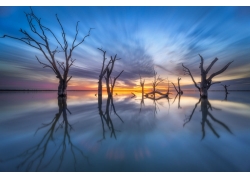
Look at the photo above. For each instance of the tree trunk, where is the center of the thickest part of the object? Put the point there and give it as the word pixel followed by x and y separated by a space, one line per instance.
pixel 142 90
pixel 100 87
pixel 203 86
pixel 108 87
pixel 62 88
pixel 100 93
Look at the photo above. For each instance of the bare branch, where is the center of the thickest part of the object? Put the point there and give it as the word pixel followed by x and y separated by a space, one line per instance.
pixel 189 73
pixel 211 65
pixel 61 65
pixel 83 39
pixel 219 72
pixel 21 39
pixel 45 65
pixel 68 81
pixel 201 65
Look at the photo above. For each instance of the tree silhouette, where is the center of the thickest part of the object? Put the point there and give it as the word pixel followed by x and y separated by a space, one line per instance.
pixel 156 81
pixel 38 39
pixel 225 87
pixel 205 82
pixel 179 91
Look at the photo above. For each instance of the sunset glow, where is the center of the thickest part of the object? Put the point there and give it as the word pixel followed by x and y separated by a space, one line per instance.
pixel 143 37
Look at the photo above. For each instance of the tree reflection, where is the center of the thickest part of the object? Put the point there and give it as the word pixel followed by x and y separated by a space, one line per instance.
pixel 42 154
pixel 205 107
pixel 106 117
pixel 155 101
pixel 179 99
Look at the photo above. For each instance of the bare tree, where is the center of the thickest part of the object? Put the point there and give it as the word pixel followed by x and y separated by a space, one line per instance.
pixel 179 91
pixel 142 85
pixel 106 72
pixel 205 82
pixel 102 73
pixel 225 87
pixel 156 81
pixel 38 39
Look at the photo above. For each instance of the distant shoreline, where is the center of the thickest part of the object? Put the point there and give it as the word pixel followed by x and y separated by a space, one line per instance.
pixel 96 90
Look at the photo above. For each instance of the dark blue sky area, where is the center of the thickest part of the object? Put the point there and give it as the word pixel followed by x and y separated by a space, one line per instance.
pixel 143 37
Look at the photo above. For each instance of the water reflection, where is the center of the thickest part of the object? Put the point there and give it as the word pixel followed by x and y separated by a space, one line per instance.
pixel 106 117
pixel 42 133
pixel 155 100
pixel 179 99
pixel 205 106
pixel 40 156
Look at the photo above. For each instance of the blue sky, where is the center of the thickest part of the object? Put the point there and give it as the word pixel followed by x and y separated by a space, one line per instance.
pixel 143 37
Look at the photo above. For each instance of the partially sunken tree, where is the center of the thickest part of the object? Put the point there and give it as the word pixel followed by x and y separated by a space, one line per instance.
pixel 225 87
pixel 38 39
pixel 106 72
pixel 156 81
pixel 205 82
pixel 179 91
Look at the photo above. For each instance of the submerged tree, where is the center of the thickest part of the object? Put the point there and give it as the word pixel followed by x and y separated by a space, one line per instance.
pixel 106 72
pixel 205 82
pixel 179 91
pixel 225 87
pixel 39 39
pixel 156 81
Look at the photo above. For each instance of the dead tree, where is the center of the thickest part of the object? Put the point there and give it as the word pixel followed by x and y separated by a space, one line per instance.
pixel 142 85
pixel 102 73
pixel 142 91
pixel 38 39
pixel 109 83
pixel 112 82
pixel 179 91
pixel 156 81
pixel 225 87
pixel 205 82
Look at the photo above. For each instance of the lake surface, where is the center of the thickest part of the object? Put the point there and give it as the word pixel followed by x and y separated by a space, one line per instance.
pixel 39 132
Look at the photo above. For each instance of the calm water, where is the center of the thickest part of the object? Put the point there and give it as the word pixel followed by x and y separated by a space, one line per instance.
pixel 38 132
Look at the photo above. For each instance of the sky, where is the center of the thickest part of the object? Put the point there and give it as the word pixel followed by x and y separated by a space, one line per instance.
pixel 144 37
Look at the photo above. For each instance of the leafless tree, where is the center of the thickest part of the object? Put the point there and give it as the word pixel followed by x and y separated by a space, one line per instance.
pixel 106 72
pixel 225 87
pixel 142 85
pixel 205 82
pixel 38 39
pixel 179 91
pixel 102 73
pixel 156 81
